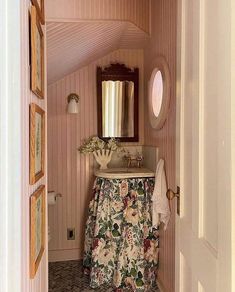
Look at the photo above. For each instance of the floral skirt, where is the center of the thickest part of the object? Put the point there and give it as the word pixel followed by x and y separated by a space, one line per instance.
pixel 121 247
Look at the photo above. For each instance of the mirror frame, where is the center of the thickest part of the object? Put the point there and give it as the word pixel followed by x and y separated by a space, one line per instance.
pixel 118 72
pixel 160 64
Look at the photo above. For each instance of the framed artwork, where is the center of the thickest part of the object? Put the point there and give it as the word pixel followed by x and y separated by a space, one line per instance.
pixel 39 4
pixel 37 229
pixel 37 55
pixel 37 143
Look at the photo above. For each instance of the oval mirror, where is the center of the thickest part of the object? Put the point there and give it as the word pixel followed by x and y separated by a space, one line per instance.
pixel 159 93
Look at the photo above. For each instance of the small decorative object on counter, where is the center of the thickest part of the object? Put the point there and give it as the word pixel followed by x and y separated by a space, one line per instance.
pixel 101 150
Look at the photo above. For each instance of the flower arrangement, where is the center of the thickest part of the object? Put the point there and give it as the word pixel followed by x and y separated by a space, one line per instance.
pixel 101 150
pixel 95 144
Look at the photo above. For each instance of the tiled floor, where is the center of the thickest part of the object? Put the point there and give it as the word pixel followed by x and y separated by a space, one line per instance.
pixel 68 277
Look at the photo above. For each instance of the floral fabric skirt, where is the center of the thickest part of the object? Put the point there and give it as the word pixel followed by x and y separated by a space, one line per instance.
pixel 121 247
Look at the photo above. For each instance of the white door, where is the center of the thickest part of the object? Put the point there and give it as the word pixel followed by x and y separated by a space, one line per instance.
pixel 203 229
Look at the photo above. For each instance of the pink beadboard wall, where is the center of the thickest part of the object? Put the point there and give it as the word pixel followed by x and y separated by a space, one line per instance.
pixel 69 48
pixel 135 11
pixel 69 172
pixel 163 42
pixel 40 282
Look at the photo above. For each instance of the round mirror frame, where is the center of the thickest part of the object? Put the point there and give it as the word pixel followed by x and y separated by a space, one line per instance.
pixel 160 64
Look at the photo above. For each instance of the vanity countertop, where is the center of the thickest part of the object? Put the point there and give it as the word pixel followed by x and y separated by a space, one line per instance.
pixel 120 173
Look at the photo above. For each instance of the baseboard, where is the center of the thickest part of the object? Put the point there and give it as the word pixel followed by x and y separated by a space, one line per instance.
pixel 64 255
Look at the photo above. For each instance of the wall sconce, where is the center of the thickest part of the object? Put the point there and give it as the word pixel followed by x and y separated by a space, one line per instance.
pixel 73 100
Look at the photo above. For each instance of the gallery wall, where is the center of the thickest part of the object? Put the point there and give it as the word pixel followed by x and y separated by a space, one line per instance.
pixel 40 282
pixel 69 172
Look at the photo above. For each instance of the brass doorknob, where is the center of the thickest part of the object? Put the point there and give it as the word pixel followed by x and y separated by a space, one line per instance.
pixel 171 195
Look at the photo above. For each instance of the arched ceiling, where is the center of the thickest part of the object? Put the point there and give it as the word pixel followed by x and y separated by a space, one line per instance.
pixel 72 45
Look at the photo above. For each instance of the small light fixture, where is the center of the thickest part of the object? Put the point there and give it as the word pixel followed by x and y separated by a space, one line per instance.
pixel 73 100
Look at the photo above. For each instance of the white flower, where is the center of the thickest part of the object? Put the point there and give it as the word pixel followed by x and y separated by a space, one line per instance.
pixel 132 216
pixel 106 254
pixel 117 205
pixel 95 143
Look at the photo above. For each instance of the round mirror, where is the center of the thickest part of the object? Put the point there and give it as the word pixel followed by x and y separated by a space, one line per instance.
pixel 159 93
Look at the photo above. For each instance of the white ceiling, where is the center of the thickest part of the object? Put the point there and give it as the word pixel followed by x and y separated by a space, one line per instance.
pixel 72 45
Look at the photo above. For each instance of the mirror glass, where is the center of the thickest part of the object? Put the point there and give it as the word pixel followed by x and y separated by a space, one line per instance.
pixel 157 93
pixel 117 108
pixel 118 102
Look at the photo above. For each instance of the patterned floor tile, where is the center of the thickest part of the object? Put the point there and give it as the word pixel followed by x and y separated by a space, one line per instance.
pixel 69 277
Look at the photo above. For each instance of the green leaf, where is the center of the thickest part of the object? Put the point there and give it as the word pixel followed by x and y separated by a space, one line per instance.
pixel 140 184
pixel 140 191
pixel 134 206
pixel 133 272
pixel 119 217
pixel 139 282
pixel 102 230
pixel 115 233
pixel 87 262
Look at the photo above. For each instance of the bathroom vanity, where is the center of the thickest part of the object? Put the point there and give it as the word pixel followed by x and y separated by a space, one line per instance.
pixel 121 247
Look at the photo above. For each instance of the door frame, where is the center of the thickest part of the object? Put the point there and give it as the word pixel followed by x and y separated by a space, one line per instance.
pixel 233 137
pixel 10 147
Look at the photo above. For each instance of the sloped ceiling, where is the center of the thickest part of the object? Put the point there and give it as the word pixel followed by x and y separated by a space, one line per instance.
pixel 134 11
pixel 72 45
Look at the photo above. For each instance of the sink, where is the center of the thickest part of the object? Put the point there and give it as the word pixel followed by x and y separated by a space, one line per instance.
pixel 121 173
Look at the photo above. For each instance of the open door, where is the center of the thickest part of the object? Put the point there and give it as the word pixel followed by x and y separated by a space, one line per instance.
pixel 203 228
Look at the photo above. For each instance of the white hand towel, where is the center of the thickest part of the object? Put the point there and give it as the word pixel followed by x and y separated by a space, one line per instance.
pixel 161 210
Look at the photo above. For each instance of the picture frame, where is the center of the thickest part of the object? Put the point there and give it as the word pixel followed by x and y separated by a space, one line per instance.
pixel 37 143
pixel 37 229
pixel 39 5
pixel 37 55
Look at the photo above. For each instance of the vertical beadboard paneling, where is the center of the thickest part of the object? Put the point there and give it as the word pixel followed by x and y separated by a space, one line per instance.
pixel 40 282
pixel 163 41
pixel 71 173
pixel 69 48
pixel 135 11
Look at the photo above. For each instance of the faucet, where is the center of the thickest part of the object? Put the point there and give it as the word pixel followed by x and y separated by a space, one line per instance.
pixel 138 158
pixel 127 157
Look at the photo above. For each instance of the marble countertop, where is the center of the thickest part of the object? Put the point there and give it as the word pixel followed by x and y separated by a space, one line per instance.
pixel 120 173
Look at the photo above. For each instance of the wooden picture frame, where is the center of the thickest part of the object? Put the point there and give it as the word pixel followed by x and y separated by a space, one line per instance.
pixel 37 143
pixel 37 229
pixel 39 4
pixel 37 55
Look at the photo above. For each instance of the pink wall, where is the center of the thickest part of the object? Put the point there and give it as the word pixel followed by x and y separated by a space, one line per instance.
pixel 163 41
pixel 69 172
pixel 39 283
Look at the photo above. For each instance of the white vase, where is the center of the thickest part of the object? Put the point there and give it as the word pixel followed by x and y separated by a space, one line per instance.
pixel 103 157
